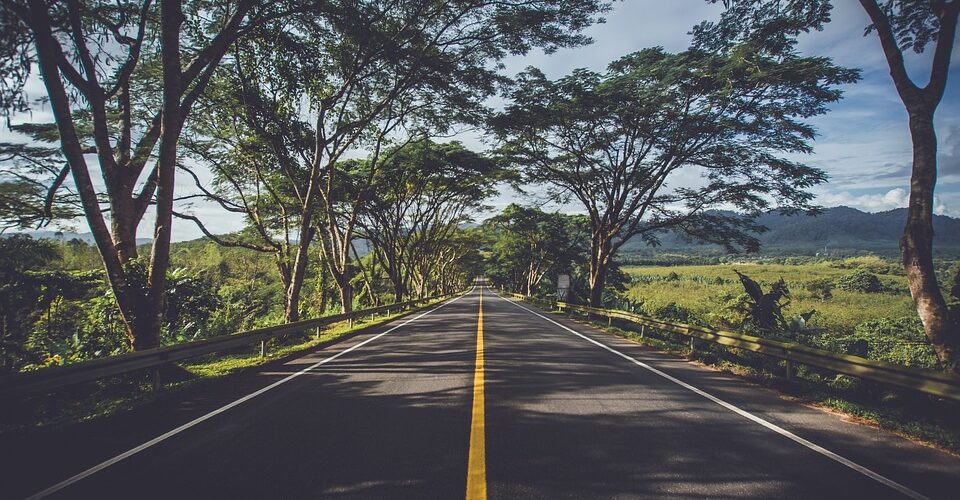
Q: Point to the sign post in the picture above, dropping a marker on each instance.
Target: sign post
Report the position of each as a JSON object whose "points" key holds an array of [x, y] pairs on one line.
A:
{"points": [[563, 287]]}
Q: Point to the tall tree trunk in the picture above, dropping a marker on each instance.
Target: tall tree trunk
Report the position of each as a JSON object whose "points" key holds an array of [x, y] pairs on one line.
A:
{"points": [[599, 264], [322, 285], [530, 274], [916, 246], [398, 290], [392, 267], [130, 299], [299, 271], [149, 311], [124, 223], [345, 288]]}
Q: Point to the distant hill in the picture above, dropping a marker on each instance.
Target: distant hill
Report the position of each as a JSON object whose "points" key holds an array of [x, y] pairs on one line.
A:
{"points": [[837, 230]]}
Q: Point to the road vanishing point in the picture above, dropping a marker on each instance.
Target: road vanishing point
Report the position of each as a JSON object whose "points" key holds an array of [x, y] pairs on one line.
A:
{"points": [[477, 397]]}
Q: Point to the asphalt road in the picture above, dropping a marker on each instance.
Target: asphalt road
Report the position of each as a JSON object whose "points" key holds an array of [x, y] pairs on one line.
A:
{"points": [[563, 411]]}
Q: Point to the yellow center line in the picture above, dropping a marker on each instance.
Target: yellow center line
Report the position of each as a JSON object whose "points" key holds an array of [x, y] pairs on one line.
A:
{"points": [[477, 462]]}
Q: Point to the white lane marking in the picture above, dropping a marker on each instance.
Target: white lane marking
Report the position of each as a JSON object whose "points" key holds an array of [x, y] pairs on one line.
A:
{"points": [[743, 413], [133, 451]]}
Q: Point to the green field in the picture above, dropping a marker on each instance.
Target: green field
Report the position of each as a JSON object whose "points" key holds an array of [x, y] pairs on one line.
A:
{"points": [[709, 294], [698, 290]]}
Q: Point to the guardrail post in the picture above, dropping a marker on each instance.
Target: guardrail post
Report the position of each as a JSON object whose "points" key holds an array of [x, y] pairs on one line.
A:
{"points": [[789, 370], [643, 330], [609, 321], [263, 348], [318, 332], [349, 322], [693, 347]]}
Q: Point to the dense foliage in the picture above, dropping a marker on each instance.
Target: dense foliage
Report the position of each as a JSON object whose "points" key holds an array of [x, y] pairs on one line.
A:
{"points": [[298, 85]]}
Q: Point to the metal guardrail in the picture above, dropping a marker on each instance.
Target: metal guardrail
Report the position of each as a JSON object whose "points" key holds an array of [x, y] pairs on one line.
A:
{"points": [[87, 371], [926, 381]]}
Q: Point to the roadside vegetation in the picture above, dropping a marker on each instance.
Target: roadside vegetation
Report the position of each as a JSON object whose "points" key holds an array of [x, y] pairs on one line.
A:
{"points": [[838, 305], [57, 308], [915, 416], [109, 396]]}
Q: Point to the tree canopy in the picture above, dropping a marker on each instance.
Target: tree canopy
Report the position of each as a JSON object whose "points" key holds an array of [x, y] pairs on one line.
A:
{"points": [[615, 141]]}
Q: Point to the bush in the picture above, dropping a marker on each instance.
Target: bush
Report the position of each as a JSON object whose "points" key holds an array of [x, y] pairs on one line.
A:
{"points": [[673, 312], [764, 310], [821, 289], [870, 263], [901, 341], [860, 281]]}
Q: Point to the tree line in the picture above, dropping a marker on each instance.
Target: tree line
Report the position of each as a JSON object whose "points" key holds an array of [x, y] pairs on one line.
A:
{"points": [[322, 125], [276, 98]]}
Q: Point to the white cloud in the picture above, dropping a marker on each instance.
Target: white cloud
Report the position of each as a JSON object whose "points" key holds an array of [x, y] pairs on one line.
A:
{"points": [[879, 202]]}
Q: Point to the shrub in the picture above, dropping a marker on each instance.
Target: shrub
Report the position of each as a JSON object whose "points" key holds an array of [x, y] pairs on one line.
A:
{"points": [[764, 310], [871, 263], [901, 341], [860, 281], [673, 312], [821, 289]]}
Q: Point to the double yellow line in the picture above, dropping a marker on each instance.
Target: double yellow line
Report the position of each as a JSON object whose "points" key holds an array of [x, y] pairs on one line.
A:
{"points": [[477, 461]]}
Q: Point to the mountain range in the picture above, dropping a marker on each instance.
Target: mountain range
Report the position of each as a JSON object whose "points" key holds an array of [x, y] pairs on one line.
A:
{"points": [[836, 230]]}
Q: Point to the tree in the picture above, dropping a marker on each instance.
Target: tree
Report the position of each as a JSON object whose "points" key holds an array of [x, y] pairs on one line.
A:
{"points": [[445, 79], [423, 194], [258, 149], [362, 79], [129, 73], [900, 25], [528, 243], [615, 142]]}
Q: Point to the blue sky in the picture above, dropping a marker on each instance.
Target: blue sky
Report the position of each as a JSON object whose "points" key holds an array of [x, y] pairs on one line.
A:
{"points": [[864, 144]]}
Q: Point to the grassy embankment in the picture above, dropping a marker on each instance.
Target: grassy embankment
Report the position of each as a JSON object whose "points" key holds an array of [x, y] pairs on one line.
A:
{"points": [[104, 398]]}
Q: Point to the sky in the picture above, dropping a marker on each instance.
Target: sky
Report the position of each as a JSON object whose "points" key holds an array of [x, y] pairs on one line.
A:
{"points": [[863, 144]]}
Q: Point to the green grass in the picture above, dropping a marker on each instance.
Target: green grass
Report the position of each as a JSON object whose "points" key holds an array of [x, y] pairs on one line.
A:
{"points": [[699, 290]]}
